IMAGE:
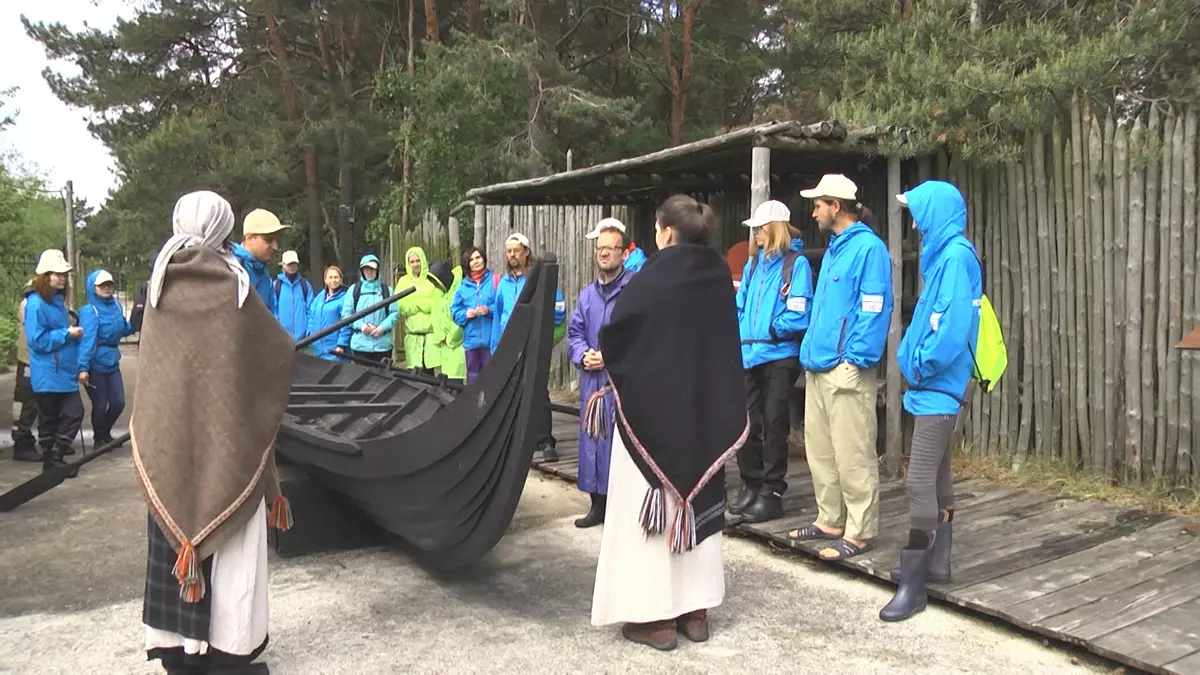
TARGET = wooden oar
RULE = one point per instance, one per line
(50, 478)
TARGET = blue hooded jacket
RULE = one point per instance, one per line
(506, 298)
(853, 303)
(53, 356)
(936, 352)
(260, 276)
(771, 324)
(369, 293)
(477, 332)
(637, 258)
(291, 306)
(325, 310)
(104, 324)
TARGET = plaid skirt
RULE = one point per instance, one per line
(164, 609)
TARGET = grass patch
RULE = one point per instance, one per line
(1067, 480)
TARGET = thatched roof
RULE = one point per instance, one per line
(706, 165)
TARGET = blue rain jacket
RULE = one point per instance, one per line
(477, 332)
(260, 276)
(369, 293)
(770, 323)
(104, 324)
(53, 357)
(291, 305)
(852, 305)
(325, 310)
(937, 346)
(506, 298)
(637, 258)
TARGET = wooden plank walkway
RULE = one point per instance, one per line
(1121, 583)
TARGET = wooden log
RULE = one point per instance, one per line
(1106, 178)
(1012, 379)
(1048, 390)
(994, 278)
(1028, 342)
(1176, 403)
(1096, 288)
(760, 177)
(975, 218)
(1164, 298)
(1191, 295)
(1120, 276)
(1151, 148)
(1064, 285)
(1135, 226)
(1079, 249)
(895, 439)
(479, 238)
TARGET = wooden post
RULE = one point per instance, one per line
(480, 226)
(895, 441)
(72, 251)
(760, 177)
(455, 241)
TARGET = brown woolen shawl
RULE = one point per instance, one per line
(212, 389)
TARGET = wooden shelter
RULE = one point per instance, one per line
(734, 173)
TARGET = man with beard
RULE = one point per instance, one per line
(519, 257)
(260, 242)
(593, 310)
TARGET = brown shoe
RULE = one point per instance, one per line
(694, 625)
(660, 634)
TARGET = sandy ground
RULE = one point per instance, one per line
(72, 566)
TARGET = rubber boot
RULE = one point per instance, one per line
(54, 458)
(910, 597)
(744, 499)
(595, 514)
(549, 452)
(939, 565)
(26, 451)
(767, 505)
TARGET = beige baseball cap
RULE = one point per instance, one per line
(53, 260)
(103, 278)
(833, 185)
(605, 224)
(769, 211)
(262, 221)
(290, 257)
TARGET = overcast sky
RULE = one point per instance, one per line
(52, 137)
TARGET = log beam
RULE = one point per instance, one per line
(895, 440)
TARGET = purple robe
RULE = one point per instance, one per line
(593, 310)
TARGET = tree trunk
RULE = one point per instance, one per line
(678, 79)
(432, 32)
(406, 157)
(475, 19)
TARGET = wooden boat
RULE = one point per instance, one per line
(440, 471)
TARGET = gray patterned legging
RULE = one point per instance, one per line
(930, 484)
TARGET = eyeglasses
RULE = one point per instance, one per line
(608, 249)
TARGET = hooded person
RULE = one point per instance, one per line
(447, 335)
(203, 434)
(25, 447)
(936, 357)
(421, 351)
(672, 355)
(104, 325)
(370, 336)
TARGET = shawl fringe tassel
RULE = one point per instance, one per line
(654, 512)
(595, 416)
(187, 571)
(280, 515)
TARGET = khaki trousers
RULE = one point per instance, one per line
(840, 431)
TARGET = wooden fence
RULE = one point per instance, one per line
(1090, 247)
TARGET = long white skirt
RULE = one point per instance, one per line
(638, 580)
(239, 595)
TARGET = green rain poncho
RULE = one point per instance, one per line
(449, 335)
(420, 348)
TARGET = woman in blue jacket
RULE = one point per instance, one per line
(773, 304)
(370, 336)
(471, 309)
(53, 359)
(324, 310)
(104, 324)
(937, 359)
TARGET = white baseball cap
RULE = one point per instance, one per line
(53, 260)
(262, 221)
(833, 185)
(606, 224)
(290, 257)
(768, 212)
(903, 199)
(103, 278)
(370, 263)
(519, 238)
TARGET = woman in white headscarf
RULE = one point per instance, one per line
(215, 369)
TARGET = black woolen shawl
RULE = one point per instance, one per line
(674, 361)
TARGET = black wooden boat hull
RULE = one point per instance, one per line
(441, 472)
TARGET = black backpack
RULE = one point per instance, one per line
(789, 264)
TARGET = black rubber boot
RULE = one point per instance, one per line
(744, 499)
(767, 505)
(939, 564)
(549, 453)
(26, 452)
(54, 458)
(595, 514)
(910, 595)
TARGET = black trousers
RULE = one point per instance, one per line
(22, 428)
(60, 418)
(382, 358)
(763, 460)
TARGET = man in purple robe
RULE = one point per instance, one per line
(593, 310)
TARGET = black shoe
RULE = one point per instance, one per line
(910, 595)
(595, 514)
(26, 453)
(53, 460)
(767, 505)
(549, 454)
(744, 499)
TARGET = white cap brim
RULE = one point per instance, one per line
(754, 222)
(903, 199)
(370, 263)
(103, 278)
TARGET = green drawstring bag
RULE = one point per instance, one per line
(991, 355)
